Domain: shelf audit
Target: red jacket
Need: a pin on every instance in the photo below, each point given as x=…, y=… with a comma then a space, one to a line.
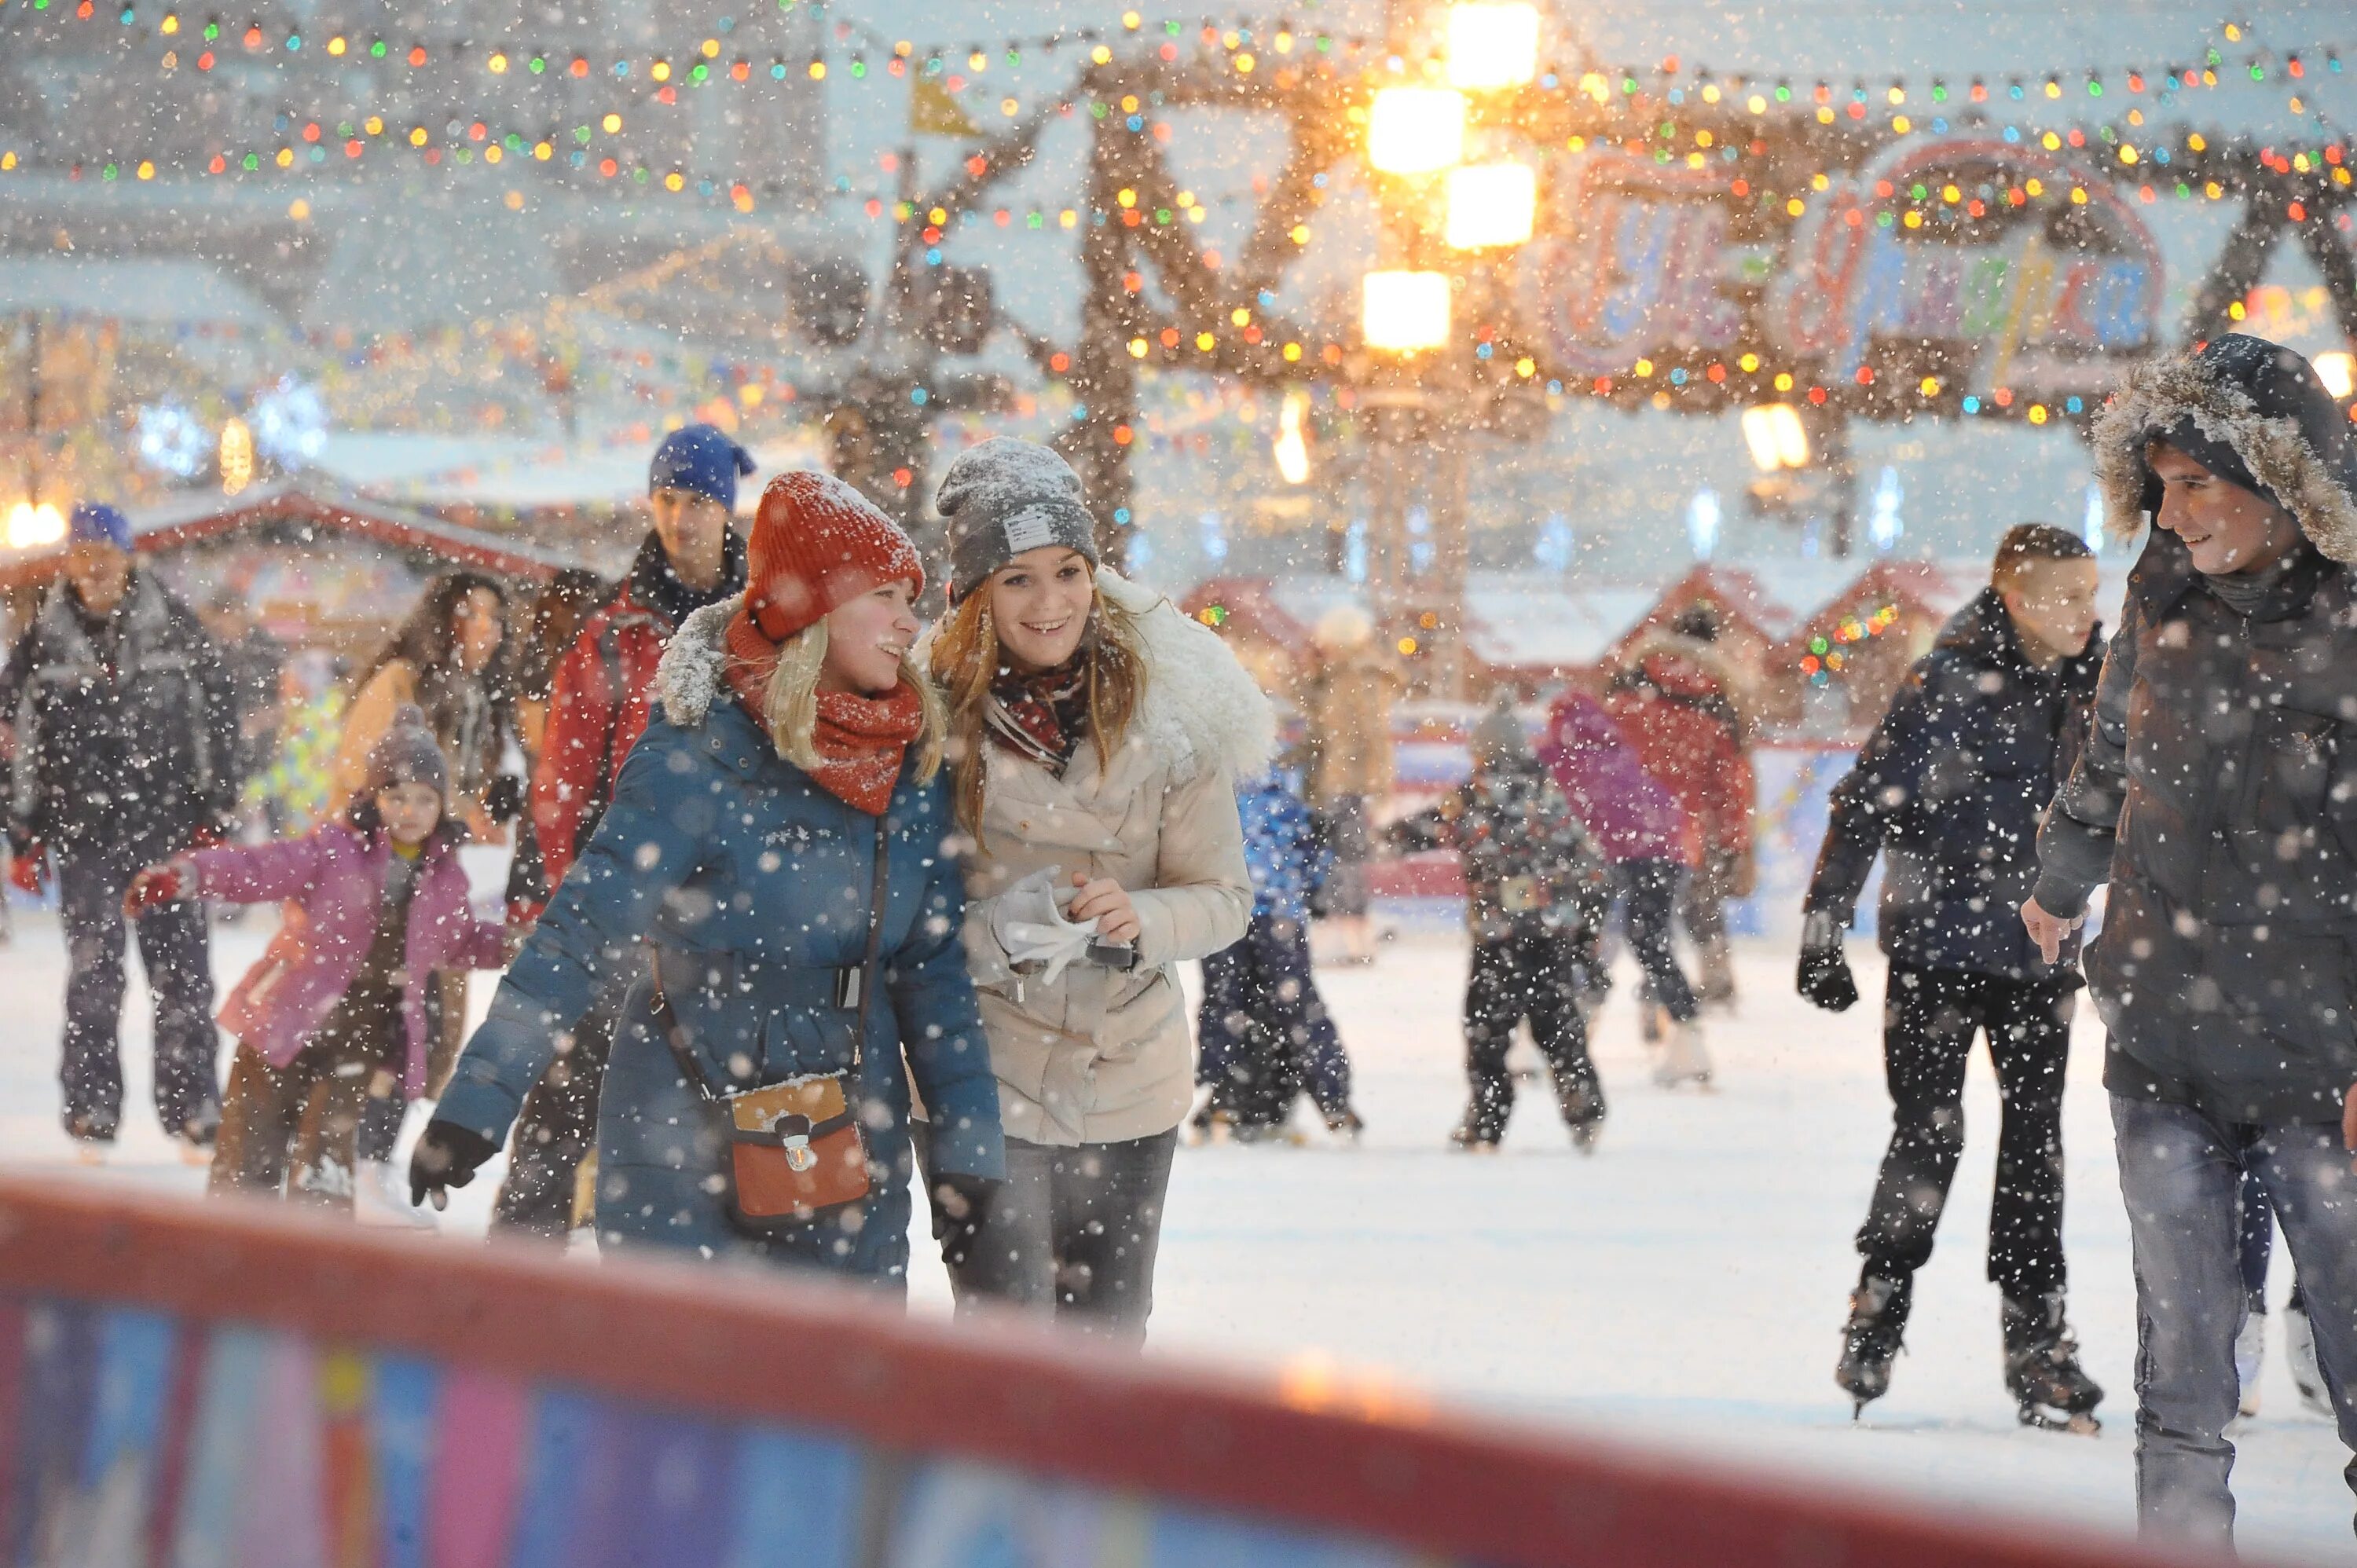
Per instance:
x=1679, y=706
x=598, y=699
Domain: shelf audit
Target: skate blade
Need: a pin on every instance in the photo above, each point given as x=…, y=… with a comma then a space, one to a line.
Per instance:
x=2080, y=1424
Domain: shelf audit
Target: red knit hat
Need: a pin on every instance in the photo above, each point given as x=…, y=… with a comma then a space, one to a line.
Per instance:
x=818, y=545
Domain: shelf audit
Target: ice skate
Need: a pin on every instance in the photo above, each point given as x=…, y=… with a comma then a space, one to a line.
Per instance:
x=1717, y=987
x=379, y=1201
x=2041, y=1368
x=1684, y=1060
x=1475, y=1135
x=1215, y=1123
x=1344, y=1123
x=1583, y=1113
x=2300, y=1349
x=1871, y=1340
x=2250, y=1353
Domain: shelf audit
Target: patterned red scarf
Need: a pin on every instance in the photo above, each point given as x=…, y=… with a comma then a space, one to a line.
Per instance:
x=860, y=741
x=1043, y=716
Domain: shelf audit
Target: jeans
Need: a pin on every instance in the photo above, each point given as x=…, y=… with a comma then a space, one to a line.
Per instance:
x=1265, y=1031
x=1535, y=974
x=1929, y=1020
x=1075, y=1230
x=1649, y=890
x=2181, y=1176
x=172, y=947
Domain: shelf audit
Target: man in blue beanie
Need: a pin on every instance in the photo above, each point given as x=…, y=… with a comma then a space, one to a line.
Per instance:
x=596, y=710
x=126, y=755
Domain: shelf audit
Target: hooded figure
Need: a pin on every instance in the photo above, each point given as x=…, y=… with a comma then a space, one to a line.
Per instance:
x=2217, y=795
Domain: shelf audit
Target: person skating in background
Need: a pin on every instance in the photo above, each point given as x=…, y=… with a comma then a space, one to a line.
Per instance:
x=1949, y=791
x=599, y=700
x=331, y=1031
x=1096, y=733
x=2213, y=797
x=567, y=600
x=1686, y=709
x=256, y=665
x=126, y=754
x=779, y=839
x=1537, y=891
x=1265, y=1033
x=1347, y=703
x=1644, y=834
x=2255, y=1250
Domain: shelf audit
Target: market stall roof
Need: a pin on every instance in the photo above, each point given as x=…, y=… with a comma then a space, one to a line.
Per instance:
x=146, y=289
x=309, y=509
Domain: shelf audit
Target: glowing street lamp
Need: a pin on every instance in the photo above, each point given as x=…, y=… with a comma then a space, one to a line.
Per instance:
x=31, y=526
x=1415, y=130
x=1774, y=433
x=1490, y=204
x=1492, y=46
x=2338, y=372
x=1405, y=312
x=1292, y=448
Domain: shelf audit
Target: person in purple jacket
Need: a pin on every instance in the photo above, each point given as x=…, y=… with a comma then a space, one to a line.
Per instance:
x=1644, y=834
x=332, y=1032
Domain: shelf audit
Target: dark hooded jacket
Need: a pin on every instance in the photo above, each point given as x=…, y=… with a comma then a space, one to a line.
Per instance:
x=1949, y=789
x=1530, y=866
x=2217, y=793
x=127, y=727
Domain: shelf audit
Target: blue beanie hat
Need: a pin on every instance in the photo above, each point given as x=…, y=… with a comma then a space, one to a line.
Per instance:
x=701, y=459
x=95, y=522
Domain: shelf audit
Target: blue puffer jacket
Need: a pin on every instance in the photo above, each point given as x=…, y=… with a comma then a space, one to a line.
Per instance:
x=750, y=885
x=1282, y=849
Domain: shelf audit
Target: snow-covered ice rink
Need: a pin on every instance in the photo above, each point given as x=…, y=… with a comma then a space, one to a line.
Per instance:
x=1684, y=1288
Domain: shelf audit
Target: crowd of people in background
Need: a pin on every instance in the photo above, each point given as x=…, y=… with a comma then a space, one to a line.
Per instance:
x=812, y=910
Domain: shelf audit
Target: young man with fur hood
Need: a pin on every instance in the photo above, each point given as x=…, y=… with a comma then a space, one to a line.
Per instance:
x=1096, y=736
x=2217, y=795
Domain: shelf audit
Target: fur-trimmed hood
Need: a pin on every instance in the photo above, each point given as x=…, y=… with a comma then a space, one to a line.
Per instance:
x=1201, y=708
x=2262, y=403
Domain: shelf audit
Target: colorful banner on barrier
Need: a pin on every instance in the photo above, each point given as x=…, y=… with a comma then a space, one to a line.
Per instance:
x=131, y=1439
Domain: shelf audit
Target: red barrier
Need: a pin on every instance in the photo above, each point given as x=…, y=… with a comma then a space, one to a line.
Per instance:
x=723, y=1343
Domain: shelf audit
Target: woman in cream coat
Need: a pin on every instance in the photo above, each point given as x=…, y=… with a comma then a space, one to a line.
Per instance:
x=1096, y=736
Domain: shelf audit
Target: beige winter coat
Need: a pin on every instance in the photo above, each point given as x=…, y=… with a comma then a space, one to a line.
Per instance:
x=1102, y=1056
x=1348, y=705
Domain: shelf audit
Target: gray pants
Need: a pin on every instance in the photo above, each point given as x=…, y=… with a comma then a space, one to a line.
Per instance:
x=2181, y=1175
x=1077, y=1228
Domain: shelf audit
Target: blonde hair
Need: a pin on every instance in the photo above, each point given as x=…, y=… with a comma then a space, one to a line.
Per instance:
x=966, y=658
x=790, y=704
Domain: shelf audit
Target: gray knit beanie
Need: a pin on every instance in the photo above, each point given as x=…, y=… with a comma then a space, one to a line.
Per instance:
x=1006, y=497
x=407, y=753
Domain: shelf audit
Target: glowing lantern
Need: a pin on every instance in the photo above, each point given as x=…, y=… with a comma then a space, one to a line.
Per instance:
x=1492, y=46
x=1292, y=449
x=1490, y=204
x=30, y=526
x=236, y=458
x=2338, y=372
x=1415, y=130
x=1776, y=439
x=1404, y=311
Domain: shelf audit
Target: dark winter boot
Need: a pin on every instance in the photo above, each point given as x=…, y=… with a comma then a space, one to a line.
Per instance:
x=1478, y=1130
x=1582, y=1103
x=2042, y=1368
x=1878, y=1321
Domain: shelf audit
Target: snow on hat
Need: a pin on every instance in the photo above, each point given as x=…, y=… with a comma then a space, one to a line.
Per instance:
x=1006, y=497
x=95, y=522
x=2251, y=412
x=701, y=459
x=407, y=753
x=817, y=544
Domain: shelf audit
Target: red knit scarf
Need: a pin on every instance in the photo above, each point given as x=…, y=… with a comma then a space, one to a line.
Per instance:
x=860, y=741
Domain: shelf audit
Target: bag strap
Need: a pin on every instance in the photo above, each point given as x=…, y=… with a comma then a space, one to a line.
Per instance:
x=876, y=896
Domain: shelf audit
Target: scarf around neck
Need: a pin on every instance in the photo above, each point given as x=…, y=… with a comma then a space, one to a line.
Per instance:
x=861, y=741
x=1043, y=715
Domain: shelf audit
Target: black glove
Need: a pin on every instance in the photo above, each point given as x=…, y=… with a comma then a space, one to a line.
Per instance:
x=961, y=1208
x=504, y=799
x=447, y=1155
x=1824, y=978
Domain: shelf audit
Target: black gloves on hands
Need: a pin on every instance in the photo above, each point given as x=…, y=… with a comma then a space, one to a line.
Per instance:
x=504, y=799
x=961, y=1208
x=1824, y=978
x=447, y=1155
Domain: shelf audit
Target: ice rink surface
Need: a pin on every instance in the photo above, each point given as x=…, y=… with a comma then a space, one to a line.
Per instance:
x=1681, y=1290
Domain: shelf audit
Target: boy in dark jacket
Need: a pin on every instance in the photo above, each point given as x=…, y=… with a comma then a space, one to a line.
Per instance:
x=1949, y=789
x=1537, y=890
x=1264, y=1030
x=2217, y=795
x=126, y=754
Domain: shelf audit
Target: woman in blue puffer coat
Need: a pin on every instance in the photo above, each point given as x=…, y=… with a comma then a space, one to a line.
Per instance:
x=741, y=845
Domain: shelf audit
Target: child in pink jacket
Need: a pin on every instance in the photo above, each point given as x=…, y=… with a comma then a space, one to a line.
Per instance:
x=332, y=1023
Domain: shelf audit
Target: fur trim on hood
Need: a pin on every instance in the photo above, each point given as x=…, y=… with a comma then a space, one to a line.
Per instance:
x=2158, y=393
x=1202, y=708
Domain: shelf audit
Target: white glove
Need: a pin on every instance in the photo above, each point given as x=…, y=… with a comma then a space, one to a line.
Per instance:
x=1031, y=929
